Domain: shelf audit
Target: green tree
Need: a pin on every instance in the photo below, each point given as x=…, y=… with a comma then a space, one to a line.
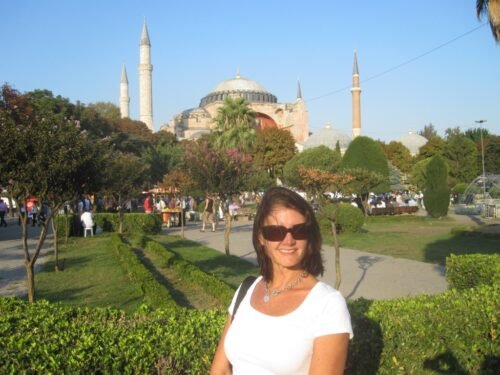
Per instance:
x=435, y=146
x=364, y=152
x=273, y=148
x=429, y=132
x=321, y=157
x=492, y=8
x=124, y=179
x=437, y=193
x=43, y=154
x=215, y=170
x=106, y=110
x=418, y=176
x=492, y=155
x=398, y=155
x=234, y=124
x=461, y=156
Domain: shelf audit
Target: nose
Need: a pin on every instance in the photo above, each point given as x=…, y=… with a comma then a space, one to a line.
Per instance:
x=288, y=238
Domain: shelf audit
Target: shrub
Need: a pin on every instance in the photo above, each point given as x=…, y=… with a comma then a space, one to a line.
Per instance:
x=472, y=270
x=43, y=338
x=349, y=218
x=110, y=222
x=210, y=284
x=460, y=187
x=437, y=194
x=155, y=294
x=455, y=332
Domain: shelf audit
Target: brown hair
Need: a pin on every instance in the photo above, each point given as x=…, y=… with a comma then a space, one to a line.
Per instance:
x=280, y=196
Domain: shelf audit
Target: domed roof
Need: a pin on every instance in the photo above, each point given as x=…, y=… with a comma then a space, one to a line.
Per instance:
x=413, y=142
x=328, y=136
x=238, y=83
x=238, y=87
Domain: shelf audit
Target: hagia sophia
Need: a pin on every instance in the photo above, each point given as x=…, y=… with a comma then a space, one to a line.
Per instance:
x=194, y=122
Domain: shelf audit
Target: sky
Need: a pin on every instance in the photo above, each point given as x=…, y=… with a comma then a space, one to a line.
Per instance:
x=420, y=62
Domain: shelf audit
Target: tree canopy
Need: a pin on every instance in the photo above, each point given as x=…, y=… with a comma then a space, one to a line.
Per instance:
x=321, y=157
x=365, y=153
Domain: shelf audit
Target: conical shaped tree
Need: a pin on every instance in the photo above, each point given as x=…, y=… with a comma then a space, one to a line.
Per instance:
x=365, y=153
x=437, y=193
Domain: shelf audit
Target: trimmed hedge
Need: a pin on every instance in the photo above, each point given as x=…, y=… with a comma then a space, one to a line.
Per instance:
x=51, y=338
x=210, y=284
x=472, y=270
x=155, y=294
x=69, y=225
x=454, y=332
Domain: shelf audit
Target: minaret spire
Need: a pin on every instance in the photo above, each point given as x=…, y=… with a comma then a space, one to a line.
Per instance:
x=145, y=79
x=124, y=97
x=299, y=91
x=356, y=99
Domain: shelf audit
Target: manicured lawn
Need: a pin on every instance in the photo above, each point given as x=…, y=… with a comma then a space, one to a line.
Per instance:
x=422, y=238
x=91, y=276
x=230, y=269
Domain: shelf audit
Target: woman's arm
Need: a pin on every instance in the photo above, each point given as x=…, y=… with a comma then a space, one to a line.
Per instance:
x=220, y=363
x=329, y=354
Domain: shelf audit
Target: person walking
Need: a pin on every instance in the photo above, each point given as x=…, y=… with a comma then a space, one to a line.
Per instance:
x=208, y=213
x=3, y=211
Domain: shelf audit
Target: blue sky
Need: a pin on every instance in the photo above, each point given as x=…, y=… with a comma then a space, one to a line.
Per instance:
x=76, y=49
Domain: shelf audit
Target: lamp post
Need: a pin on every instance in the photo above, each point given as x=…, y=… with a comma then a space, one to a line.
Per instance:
x=481, y=122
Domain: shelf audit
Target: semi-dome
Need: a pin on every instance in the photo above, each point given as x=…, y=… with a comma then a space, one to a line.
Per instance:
x=328, y=136
x=239, y=87
x=413, y=142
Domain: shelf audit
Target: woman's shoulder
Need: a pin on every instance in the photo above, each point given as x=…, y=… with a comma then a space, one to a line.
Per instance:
x=324, y=291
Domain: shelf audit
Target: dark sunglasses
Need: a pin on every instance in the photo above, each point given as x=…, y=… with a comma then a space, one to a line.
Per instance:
x=278, y=232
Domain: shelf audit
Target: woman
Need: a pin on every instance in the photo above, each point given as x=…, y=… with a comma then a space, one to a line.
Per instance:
x=288, y=322
x=208, y=214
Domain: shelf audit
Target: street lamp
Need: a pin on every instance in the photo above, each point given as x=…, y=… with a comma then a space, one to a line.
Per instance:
x=481, y=122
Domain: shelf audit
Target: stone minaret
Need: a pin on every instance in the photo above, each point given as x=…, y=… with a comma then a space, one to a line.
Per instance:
x=145, y=80
x=356, y=100
x=124, y=98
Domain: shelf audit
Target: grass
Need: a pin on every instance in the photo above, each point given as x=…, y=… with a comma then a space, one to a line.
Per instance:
x=421, y=238
x=231, y=269
x=91, y=276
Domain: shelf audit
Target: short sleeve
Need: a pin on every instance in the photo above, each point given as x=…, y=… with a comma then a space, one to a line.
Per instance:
x=333, y=316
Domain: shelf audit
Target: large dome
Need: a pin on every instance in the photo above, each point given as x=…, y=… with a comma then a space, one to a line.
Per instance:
x=413, y=142
x=328, y=136
x=239, y=83
x=239, y=87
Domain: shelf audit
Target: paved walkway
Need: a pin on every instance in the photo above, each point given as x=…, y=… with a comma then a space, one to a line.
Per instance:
x=12, y=270
x=363, y=274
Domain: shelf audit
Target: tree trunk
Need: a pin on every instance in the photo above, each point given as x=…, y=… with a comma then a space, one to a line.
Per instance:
x=228, y=219
x=182, y=218
x=29, y=262
x=30, y=273
x=56, y=245
x=338, y=278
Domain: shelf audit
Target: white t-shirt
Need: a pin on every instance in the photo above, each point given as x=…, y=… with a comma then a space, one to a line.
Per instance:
x=261, y=344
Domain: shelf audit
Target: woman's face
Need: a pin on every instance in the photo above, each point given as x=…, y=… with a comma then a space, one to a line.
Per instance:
x=288, y=252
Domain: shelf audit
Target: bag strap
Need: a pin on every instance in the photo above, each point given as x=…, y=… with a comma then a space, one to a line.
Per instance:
x=245, y=285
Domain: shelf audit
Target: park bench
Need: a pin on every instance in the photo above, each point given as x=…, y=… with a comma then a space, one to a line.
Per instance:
x=397, y=210
x=247, y=212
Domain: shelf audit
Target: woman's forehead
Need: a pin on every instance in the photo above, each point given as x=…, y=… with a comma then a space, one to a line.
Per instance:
x=282, y=214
